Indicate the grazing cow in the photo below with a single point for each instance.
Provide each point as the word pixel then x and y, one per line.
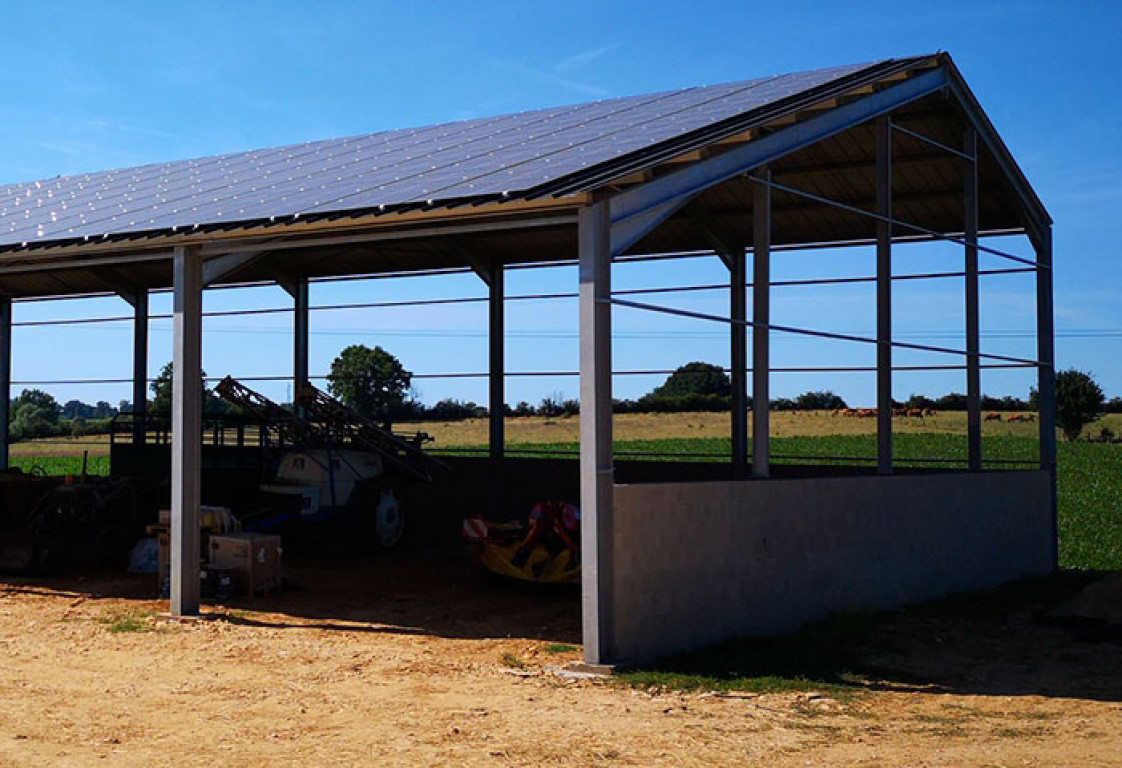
pixel 993 417
pixel 915 413
pixel 1014 417
pixel 899 411
pixel 930 412
pixel 1028 417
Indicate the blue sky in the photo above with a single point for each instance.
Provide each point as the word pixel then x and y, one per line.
pixel 90 86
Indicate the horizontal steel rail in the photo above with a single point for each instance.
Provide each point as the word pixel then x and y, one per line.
pixel 934 234
pixel 810 332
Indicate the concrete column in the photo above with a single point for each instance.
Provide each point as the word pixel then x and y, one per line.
pixel 139 366
pixel 596 471
pixel 761 319
pixel 186 430
pixel 738 332
pixel 497 363
pixel 5 377
pixel 299 335
pixel 1046 374
pixel 973 343
pixel 884 295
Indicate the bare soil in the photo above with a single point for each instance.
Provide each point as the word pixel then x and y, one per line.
pixel 419 661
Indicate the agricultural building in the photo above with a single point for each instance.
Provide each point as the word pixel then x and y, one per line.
pixel 871 155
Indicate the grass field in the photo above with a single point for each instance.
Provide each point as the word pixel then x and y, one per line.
pixel 1090 474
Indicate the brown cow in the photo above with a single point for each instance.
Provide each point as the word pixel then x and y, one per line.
pixel 993 417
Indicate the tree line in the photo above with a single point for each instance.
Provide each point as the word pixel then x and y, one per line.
pixel 376 384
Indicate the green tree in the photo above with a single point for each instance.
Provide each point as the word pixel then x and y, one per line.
pixel 695 378
pixel 161 394
pixel 33 414
pixel 371 381
pixel 1079 401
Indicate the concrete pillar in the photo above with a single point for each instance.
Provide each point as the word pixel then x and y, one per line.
pixel 973 343
pixel 738 332
pixel 1046 374
pixel 596 471
pixel 761 319
pixel 497 364
pixel 5 376
pixel 884 295
pixel 186 430
pixel 139 301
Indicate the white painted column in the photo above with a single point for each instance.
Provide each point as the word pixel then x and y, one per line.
pixel 139 366
pixel 596 469
pixel 186 430
pixel 5 376
pixel 973 343
pixel 738 337
pixel 497 364
pixel 884 295
pixel 1046 374
pixel 761 319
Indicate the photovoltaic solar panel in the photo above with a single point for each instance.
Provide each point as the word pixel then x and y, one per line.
pixel 485 157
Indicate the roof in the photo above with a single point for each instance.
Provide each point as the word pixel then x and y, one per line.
pixel 507 189
pixel 510 157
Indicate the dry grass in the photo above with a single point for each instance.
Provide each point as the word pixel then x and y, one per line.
pixel 644 426
pixel 635 426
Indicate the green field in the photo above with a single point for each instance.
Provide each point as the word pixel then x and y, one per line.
pixel 1090 474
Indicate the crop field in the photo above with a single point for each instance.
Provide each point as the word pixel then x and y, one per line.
pixel 1090 473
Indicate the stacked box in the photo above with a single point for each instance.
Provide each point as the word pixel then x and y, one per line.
pixel 254 558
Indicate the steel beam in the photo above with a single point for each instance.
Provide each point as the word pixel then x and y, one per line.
pixel 186 429
pixel 300 302
pixel 973 333
pixel 1038 222
pixel 5 377
pixel 596 468
pixel 1046 375
pixel 218 268
pixel 139 301
pixel 651 203
pixel 738 337
pixel 884 294
pixel 496 371
pixel 761 322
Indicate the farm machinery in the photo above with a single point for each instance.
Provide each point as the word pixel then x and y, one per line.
pixel 333 464
pixel 47 523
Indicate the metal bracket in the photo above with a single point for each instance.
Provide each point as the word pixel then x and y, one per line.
pixel 221 267
pixel 721 240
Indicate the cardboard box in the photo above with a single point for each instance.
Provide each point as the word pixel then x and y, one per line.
pixel 255 558
pixel 209 517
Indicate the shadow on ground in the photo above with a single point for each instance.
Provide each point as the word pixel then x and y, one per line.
pixel 441 593
pixel 1008 641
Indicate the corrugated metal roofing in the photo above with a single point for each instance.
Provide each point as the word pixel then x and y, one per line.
pixel 508 157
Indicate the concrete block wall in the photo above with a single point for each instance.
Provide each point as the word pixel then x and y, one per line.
pixel 701 562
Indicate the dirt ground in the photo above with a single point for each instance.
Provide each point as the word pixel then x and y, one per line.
pixel 419 661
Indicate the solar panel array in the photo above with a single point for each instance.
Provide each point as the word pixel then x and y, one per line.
pixel 504 155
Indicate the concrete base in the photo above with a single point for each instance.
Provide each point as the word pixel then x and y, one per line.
pixel 700 562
